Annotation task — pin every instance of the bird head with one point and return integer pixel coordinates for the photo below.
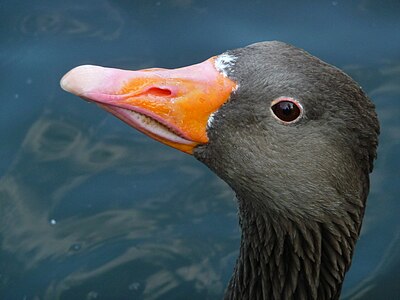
(285, 130)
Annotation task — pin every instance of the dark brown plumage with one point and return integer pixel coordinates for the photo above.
(302, 187)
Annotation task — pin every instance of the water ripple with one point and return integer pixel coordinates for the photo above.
(75, 21)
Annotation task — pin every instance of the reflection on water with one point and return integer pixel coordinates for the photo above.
(64, 19)
(90, 209)
(142, 240)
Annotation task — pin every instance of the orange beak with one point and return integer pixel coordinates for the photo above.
(171, 106)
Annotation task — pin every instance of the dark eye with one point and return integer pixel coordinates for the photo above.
(286, 110)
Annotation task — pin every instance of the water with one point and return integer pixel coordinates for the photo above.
(91, 209)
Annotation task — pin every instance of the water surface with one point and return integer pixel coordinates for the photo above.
(91, 209)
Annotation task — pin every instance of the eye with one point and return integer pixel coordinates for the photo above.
(286, 109)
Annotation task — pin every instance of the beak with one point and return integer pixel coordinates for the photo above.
(171, 106)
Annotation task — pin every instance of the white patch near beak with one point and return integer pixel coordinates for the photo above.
(225, 63)
(210, 120)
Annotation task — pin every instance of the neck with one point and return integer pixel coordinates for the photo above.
(290, 259)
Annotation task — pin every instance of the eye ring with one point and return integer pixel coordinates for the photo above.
(286, 110)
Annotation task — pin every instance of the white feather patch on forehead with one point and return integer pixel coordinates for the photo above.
(225, 63)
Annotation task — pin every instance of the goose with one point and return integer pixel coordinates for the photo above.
(293, 136)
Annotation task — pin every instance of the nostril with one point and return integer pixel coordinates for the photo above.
(155, 91)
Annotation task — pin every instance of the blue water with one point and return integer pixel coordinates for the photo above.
(91, 209)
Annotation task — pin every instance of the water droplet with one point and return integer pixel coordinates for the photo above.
(134, 286)
(75, 247)
(92, 295)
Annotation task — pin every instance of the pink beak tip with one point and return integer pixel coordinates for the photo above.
(83, 79)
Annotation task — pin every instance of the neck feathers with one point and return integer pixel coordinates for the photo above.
(290, 259)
